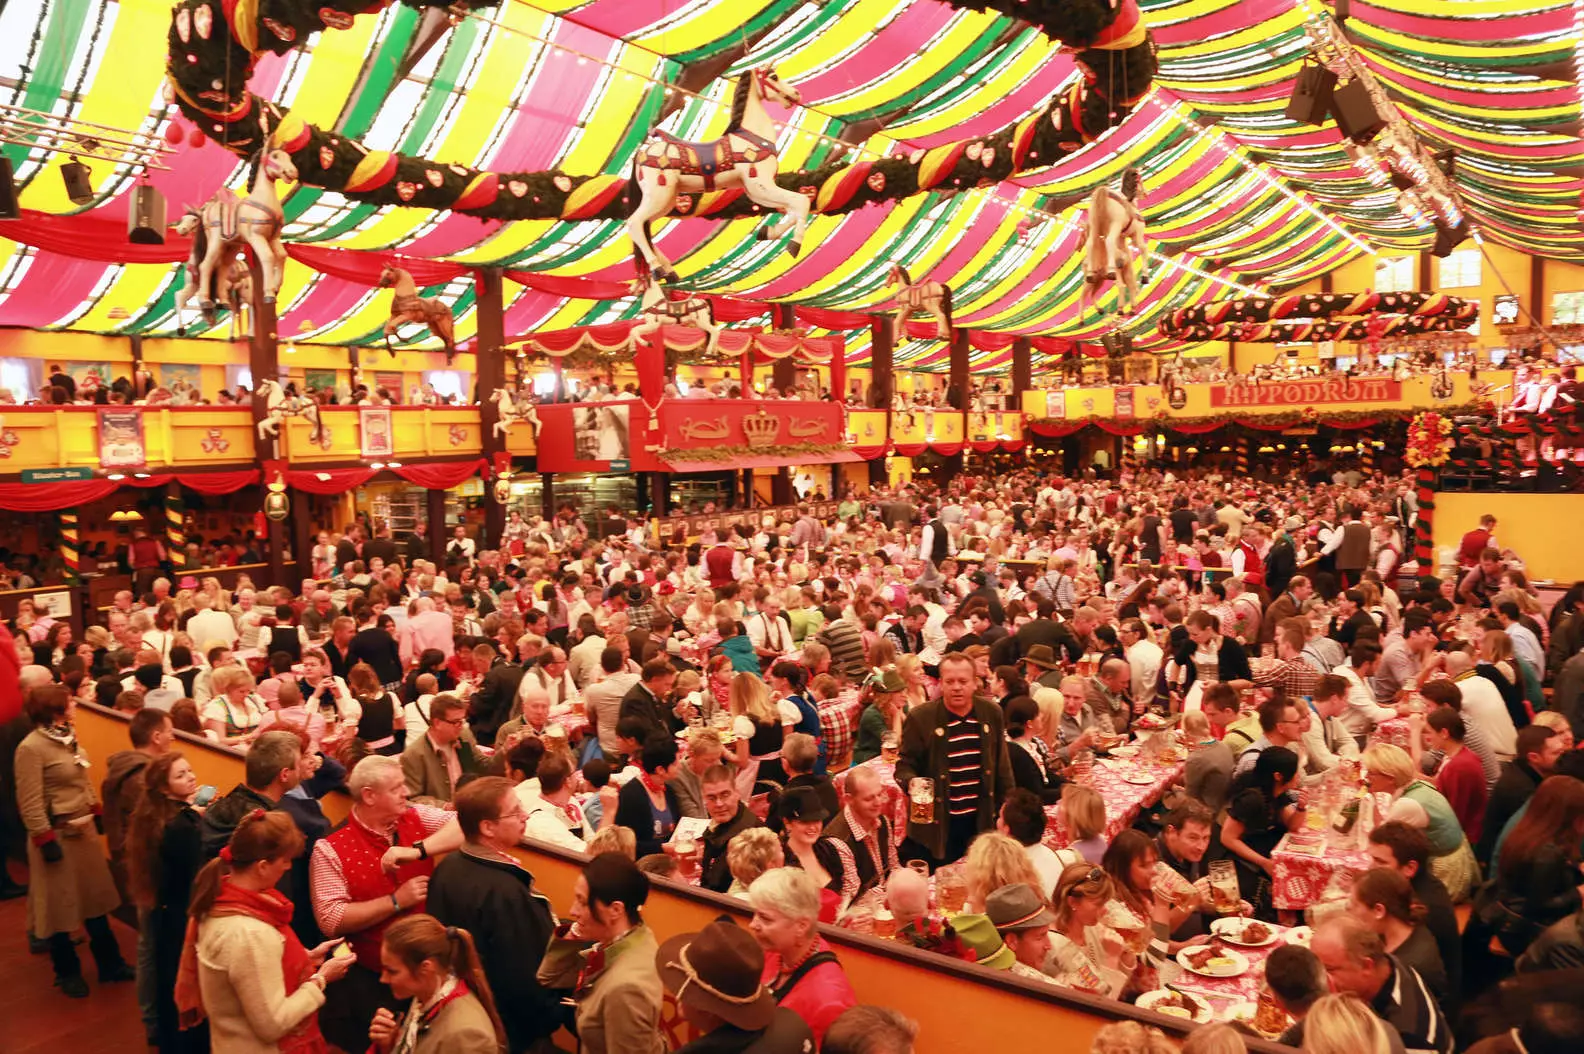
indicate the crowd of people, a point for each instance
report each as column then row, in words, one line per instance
column 669, row 709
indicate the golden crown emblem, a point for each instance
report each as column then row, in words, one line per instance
column 761, row 429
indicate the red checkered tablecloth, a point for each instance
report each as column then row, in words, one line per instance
column 1124, row 800
column 1224, row 993
column 1395, row 731
column 1302, row 878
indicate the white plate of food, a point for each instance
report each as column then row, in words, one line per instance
column 1124, row 750
column 1213, row 961
column 1177, row 1004
column 1299, row 935
column 1250, row 933
column 1141, row 779
column 1248, row 1013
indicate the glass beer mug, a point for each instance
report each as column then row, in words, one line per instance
column 921, row 798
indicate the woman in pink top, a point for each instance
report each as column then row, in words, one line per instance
column 800, row 968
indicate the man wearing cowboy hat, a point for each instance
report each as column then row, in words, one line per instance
column 714, row 975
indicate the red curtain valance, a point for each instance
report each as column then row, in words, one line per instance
column 327, row 480
column 869, row 453
column 216, row 483
column 441, row 475
column 53, row 497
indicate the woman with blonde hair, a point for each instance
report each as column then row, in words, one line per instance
column 750, row 854
column 699, row 618
column 916, row 694
column 1419, row 803
column 1219, row 1038
column 1497, row 665
column 234, row 710
column 1082, row 810
column 1086, row 953
column 760, row 727
column 1344, row 1024
column 995, row 860
column 452, row 1009
column 613, row 839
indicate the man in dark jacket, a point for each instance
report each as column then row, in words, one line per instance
column 647, row 699
column 151, row 735
column 727, row 817
column 484, row 890
column 492, row 705
column 958, row 743
column 1538, row 751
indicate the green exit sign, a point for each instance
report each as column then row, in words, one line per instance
column 56, row 475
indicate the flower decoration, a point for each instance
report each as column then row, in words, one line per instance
column 1429, row 441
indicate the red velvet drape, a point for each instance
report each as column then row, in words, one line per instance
column 441, row 475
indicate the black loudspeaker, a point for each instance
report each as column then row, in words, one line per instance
column 1355, row 112
column 79, row 182
column 9, row 209
column 146, row 217
column 1311, row 97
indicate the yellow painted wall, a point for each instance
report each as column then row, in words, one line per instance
column 1532, row 525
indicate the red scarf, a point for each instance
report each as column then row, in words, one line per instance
column 271, row 907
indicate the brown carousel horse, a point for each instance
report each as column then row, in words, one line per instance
column 1114, row 235
column 408, row 306
column 744, row 157
column 930, row 298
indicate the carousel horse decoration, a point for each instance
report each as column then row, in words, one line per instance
column 508, row 411
column 1114, row 234
column 656, row 309
column 744, row 158
column 929, row 298
column 239, row 297
column 225, row 224
column 408, row 306
column 280, row 405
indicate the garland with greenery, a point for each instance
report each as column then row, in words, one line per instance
column 1256, row 422
column 213, row 49
column 1300, row 317
column 738, row 451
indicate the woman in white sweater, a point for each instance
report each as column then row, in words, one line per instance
column 242, row 966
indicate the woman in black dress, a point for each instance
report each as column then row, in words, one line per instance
column 828, row 861
column 164, row 855
column 1263, row 807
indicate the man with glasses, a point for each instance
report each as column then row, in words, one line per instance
column 484, row 890
column 551, row 674
column 728, row 816
column 1282, row 723
column 434, row 762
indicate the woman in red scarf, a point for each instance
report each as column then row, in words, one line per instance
column 242, row 966
column 452, row 1009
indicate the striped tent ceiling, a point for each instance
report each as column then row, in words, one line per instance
column 1238, row 198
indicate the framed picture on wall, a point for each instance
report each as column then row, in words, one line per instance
column 374, row 428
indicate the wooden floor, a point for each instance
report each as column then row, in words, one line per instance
column 38, row 1019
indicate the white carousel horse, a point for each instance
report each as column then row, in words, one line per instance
column 1114, row 235
column 744, row 157
column 508, row 411
column 658, row 309
column 408, row 306
column 225, row 223
column 930, row 298
column 279, row 406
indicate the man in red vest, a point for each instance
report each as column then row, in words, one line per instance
column 720, row 562
column 367, row 873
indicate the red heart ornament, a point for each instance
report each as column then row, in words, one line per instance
column 436, row 179
column 406, row 191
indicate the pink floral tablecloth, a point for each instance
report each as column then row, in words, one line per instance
column 1123, row 799
column 1302, row 878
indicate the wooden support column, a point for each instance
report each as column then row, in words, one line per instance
column 490, row 357
column 435, row 515
column 1325, row 283
column 783, row 372
column 547, row 506
column 1425, row 273
column 302, row 534
column 882, row 384
column 1022, row 370
column 1537, row 289
column 957, row 393
column 264, row 364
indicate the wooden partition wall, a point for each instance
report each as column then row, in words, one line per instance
column 959, row 1007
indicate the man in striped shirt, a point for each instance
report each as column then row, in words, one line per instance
column 957, row 743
